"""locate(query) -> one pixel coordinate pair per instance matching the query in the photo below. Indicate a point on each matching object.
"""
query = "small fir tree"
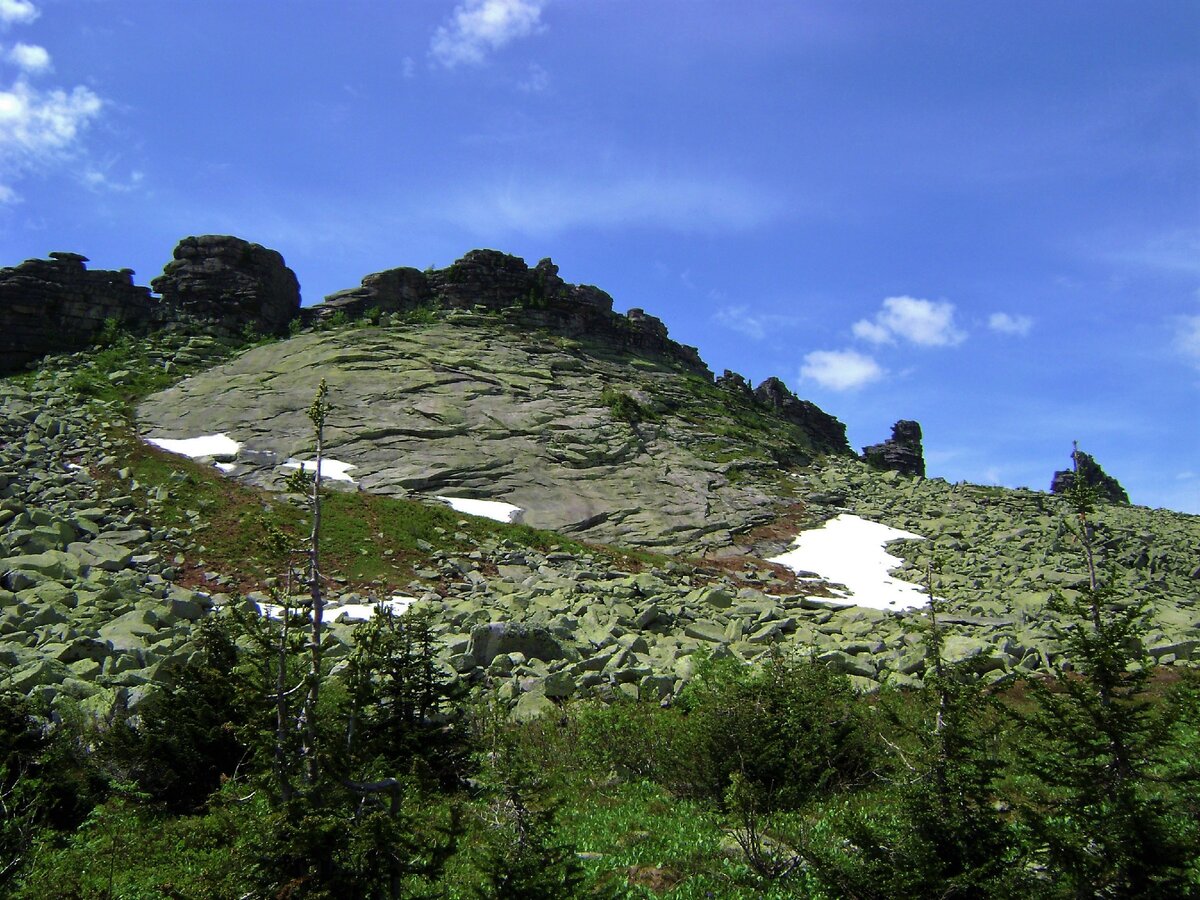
(1110, 824)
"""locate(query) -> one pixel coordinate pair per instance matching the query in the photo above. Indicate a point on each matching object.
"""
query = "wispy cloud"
(755, 326)
(1187, 338)
(840, 370)
(1175, 252)
(99, 181)
(29, 58)
(1004, 323)
(536, 80)
(40, 128)
(681, 204)
(478, 27)
(17, 12)
(926, 323)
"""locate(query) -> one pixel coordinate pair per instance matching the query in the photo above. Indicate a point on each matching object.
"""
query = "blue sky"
(983, 216)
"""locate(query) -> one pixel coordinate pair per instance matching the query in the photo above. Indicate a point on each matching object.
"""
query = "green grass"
(366, 539)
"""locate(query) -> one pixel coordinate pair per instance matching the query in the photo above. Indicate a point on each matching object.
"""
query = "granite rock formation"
(902, 452)
(468, 405)
(56, 304)
(229, 284)
(1089, 471)
(823, 429)
(502, 284)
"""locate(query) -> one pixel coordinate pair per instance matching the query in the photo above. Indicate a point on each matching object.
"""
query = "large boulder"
(498, 638)
(1088, 471)
(827, 434)
(56, 304)
(229, 284)
(902, 452)
(505, 284)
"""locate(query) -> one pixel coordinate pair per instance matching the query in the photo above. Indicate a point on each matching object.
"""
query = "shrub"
(624, 407)
(792, 729)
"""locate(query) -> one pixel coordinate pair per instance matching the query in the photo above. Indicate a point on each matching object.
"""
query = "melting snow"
(332, 469)
(226, 467)
(353, 612)
(356, 612)
(850, 550)
(488, 509)
(205, 445)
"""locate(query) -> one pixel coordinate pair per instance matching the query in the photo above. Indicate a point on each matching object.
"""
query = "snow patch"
(226, 467)
(333, 469)
(351, 612)
(849, 550)
(214, 445)
(488, 509)
(360, 612)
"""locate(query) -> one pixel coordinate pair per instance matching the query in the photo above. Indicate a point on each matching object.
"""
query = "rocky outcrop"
(466, 405)
(502, 284)
(57, 304)
(1089, 472)
(229, 284)
(902, 452)
(827, 434)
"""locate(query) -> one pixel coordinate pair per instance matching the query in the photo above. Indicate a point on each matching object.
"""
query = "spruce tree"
(1107, 821)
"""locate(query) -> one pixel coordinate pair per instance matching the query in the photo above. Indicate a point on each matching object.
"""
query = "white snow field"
(214, 445)
(351, 612)
(488, 509)
(849, 550)
(333, 469)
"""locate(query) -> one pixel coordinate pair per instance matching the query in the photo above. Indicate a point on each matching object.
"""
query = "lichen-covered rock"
(1089, 472)
(826, 432)
(902, 452)
(229, 284)
(469, 406)
(488, 280)
(500, 638)
(57, 304)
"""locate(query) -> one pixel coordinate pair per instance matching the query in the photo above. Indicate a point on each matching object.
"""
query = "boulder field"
(91, 611)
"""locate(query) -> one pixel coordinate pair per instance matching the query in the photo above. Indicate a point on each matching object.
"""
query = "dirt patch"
(655, 879)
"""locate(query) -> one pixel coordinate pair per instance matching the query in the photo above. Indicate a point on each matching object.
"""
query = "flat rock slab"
(491, 413)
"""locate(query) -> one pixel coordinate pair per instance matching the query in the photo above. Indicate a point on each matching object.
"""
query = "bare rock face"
(230, 284)
(56, 304)
(902, 452)
(1089, 472)
(826, 432)
(500, 284)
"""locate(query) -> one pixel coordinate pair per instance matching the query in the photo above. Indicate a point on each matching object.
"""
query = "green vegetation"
(227, 519)
(598, 797)
(258, 769)
(625, 407)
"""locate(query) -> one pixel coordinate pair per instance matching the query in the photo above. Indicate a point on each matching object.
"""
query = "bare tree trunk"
(316, 415)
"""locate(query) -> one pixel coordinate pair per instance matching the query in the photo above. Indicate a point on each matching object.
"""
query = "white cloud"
(755, 326)
(40, 122)
(98, 181)
(872, 331)
(30, 58)
(923, 322)
(840, 370)
(408, 67)
(1003, 323)
(38, 128)
(19, 12)
(536, 80)
(1187, 338)
(479, 26)
(680, 203)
